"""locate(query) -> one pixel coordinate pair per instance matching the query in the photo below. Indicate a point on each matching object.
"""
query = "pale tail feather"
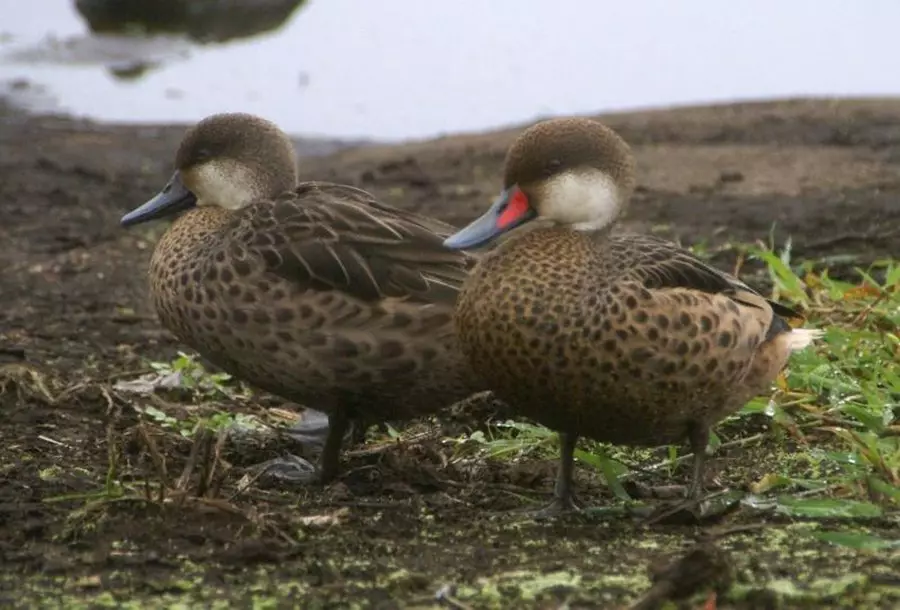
(800, 338)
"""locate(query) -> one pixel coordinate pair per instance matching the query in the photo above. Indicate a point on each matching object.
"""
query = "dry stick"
(206, 466)
(112, 453)
(47, 439)
(101, 382)
(241, 489)
(740, 442)
(159, 460)
(712, 535)
(682, 506)
(683, 458)
(213, 486)
(445, 596)
(191, 463)
(381, 448)
(110, 404)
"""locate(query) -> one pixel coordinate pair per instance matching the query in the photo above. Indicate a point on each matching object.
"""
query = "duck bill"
(174, 198)
(509, 210)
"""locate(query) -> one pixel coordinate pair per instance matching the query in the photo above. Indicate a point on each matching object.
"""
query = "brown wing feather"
(333, 237)
(657, 263)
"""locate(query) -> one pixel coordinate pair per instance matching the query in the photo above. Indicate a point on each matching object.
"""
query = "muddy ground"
(401, 523)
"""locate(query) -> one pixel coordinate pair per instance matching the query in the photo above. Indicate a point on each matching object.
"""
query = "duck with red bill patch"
(622, 338)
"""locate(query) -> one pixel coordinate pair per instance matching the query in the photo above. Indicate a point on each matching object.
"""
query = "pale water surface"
(415, 68)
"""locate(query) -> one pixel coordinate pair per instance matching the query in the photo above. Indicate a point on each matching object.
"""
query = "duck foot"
(325, 435)
(291, 469)
(692, 511)
(312, 430)
(685, 512)
(558, 507)
(564, 501)
(696, 508)
(642, 491)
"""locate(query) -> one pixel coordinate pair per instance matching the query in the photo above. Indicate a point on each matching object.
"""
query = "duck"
(595, 332)
(313, 291)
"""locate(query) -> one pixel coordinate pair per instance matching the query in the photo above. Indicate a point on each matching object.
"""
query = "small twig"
(861, 316)
(53, 441)
(159, 460)
(651, 470)
(690, 503)
(199, 441)
(207, 467)
(110, 404)
(381, 448)
(739, 263)
(112, 455)
(717, 534)
(222, 437)
(445, 596)
(366, 504)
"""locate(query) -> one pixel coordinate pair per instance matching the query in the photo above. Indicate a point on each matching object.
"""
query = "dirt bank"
(73, 299)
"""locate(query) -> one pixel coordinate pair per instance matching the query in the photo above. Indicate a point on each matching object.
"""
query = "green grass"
(845, 390)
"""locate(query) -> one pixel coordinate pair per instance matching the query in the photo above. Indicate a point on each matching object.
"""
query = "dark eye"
(552, 166)
(203, 155)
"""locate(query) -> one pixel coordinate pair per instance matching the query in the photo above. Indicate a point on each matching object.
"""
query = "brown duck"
(315, 292)
(621, 338)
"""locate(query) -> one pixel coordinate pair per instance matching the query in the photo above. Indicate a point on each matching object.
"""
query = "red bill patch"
(515, 209)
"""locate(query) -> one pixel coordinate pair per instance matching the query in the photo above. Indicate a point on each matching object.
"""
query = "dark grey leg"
(358, 431)
(698, 436)
(688, 510)
(564, 500)
(329, 462)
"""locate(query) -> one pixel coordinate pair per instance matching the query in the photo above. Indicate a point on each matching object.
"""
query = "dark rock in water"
(201, 20)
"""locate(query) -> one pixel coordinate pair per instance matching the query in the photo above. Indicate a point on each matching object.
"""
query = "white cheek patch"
(584, 200)
(227, 185)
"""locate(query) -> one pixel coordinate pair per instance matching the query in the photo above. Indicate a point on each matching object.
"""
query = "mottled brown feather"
(622, 338)
(339, 237)
(317, 293)
(627, 350)
(319, 296)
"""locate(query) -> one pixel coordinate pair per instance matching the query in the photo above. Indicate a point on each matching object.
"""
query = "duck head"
(572, 172)
(226, 160)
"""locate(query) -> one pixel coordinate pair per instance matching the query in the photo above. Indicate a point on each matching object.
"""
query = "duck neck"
(201, 221)
(189, 233)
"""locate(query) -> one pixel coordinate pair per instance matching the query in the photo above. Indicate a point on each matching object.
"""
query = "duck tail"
(800, 338)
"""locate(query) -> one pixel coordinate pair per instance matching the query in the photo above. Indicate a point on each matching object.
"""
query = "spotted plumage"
(317, 293)
(619, 337)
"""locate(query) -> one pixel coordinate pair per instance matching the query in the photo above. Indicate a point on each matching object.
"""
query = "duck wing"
(333, 237)
(660, 264)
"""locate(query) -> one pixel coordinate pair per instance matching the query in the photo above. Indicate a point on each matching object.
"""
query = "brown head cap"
(246, 152)
(562, 145)
(235, 136)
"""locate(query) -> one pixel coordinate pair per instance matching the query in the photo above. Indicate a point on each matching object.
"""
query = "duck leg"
(358, 431)
(698, 436)
(689, 510)
(564, 500)
(311, 430)
(315, 430)
(329, 462)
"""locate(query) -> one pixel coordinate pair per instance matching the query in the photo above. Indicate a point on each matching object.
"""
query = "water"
(397, 69)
